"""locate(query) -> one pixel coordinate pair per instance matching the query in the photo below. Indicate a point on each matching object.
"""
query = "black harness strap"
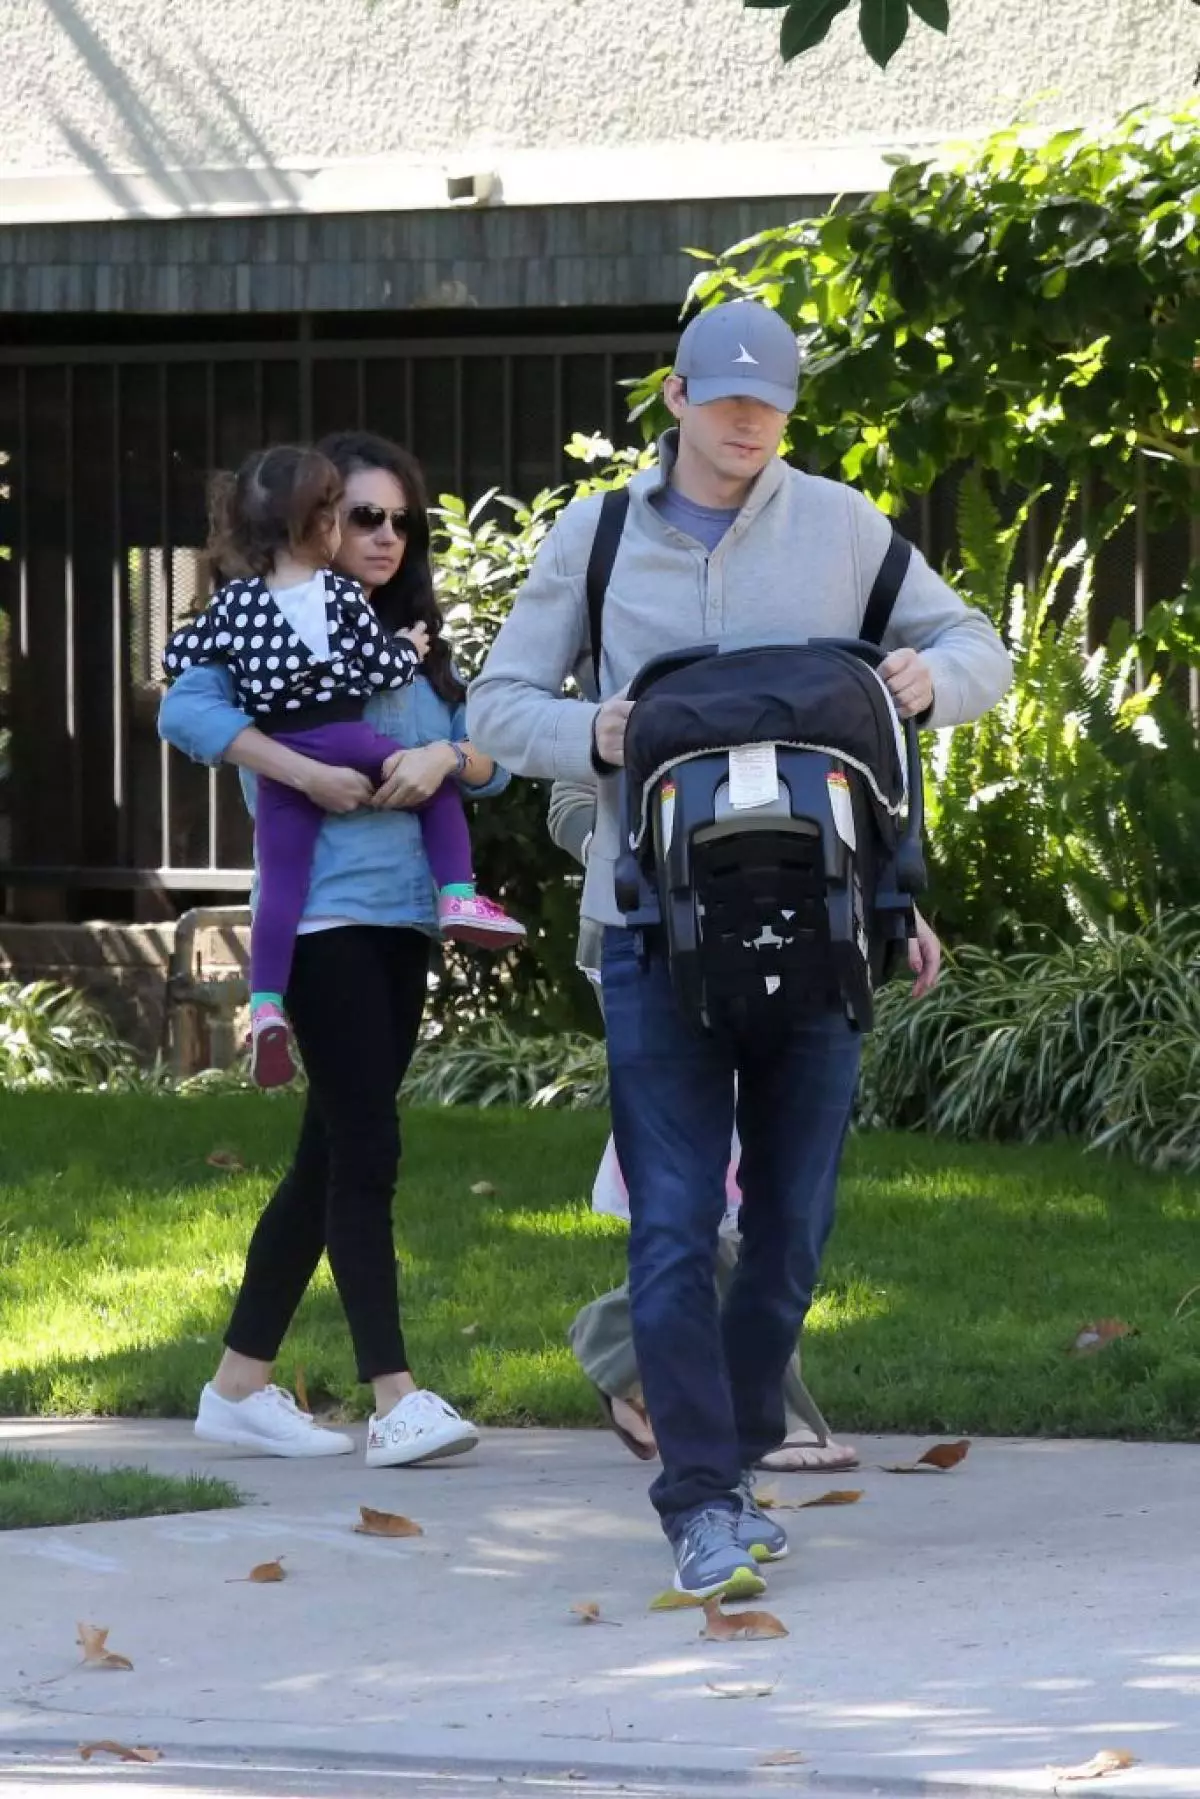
(888, 583)
(605, 544)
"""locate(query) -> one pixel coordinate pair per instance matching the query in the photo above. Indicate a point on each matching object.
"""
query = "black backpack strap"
(888, 583)
(605, 544)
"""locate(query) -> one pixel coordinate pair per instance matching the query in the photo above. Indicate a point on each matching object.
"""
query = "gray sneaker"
(757, 1534)
(709, 1559)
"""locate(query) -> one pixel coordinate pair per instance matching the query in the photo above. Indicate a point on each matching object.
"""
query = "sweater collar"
(653, 480)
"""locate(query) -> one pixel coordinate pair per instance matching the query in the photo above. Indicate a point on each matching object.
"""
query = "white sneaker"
(419, 1428)
(269, 1421)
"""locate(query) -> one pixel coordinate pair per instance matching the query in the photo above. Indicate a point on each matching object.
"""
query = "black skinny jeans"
(355, 1001)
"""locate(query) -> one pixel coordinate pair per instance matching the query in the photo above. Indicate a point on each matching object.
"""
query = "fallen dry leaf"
(263, 1574)
(671, 1601)
(482, 1189)
(137, 1752)
(937, 1459)
(781, 1758)
(93, 1640)
(771, 1501)
(301, 1386)
(385, 1524)
(1091, 1338)
(588, 1612)
(747, 1627)
(225, 1158)
(1108, 1761)
(744, 1690)
(470, 1330)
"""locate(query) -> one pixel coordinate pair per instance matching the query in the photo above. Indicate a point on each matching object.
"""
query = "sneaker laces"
(715, 1518)
(429, 1405)
(280, 1397)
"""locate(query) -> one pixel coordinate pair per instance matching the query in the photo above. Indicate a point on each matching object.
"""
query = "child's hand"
(418, 636)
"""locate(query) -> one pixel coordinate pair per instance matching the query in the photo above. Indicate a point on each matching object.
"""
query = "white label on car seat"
(667, 813)
(753, 776)
(842, 807)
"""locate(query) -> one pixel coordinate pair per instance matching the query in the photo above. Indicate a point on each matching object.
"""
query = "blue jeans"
(713, 1380)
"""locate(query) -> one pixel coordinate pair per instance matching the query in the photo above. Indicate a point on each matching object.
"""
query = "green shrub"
(52, 1037)
(494, 1065)
(1076, 800)
(1098, 1039)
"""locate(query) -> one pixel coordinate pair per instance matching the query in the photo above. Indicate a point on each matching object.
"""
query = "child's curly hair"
(282, 499)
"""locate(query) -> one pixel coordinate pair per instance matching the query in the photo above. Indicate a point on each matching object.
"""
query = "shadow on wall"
(225, 136)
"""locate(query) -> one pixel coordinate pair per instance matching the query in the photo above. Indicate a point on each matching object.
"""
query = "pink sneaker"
(479, 921)
(271, 1063)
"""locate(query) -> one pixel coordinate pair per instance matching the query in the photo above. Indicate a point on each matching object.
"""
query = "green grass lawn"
(33, 1492)
(957, 1277)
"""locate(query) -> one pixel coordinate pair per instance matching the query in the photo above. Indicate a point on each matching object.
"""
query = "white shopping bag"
(611, 1196)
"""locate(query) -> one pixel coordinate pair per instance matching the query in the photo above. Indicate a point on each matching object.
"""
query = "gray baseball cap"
(740, 347)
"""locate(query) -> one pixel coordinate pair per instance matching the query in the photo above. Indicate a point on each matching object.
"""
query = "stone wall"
(124, 969)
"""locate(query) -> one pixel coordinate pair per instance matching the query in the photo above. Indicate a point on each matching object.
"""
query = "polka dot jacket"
(276, 677)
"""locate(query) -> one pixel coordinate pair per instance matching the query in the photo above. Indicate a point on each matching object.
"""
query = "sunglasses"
(370, 518)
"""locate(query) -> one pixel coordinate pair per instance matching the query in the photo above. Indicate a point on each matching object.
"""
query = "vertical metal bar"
(506, 423)
(212, 795)
(556, 451)
(360, 393)
(22, 513)
(1139, 564)
(304, 341)
(19, 679)
(119, 626)
(410, 403)
(459, 429)
(260, 409)
(609, 396)
(165, 572)
(70, 615)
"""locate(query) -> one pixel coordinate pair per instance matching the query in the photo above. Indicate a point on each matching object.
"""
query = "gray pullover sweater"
(798, 562)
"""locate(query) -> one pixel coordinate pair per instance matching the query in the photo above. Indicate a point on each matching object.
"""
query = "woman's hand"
(335, 789)
(925, 958)
(411, 777)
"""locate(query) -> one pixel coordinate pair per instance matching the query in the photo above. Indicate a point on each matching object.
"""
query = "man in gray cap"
(721, 540)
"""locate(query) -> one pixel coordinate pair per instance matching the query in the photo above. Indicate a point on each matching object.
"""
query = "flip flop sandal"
(809, 1458)
(645, 1452)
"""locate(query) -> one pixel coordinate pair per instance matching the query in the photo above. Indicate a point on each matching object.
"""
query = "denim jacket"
(369, 866)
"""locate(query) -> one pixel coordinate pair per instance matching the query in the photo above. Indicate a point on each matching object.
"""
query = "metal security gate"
(102, 515)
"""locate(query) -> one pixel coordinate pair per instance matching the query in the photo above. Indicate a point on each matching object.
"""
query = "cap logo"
(745, 356)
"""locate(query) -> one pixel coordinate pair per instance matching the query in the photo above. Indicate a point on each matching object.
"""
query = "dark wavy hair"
(408, 598)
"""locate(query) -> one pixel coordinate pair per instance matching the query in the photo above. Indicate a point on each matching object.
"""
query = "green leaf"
(933, 12)
(883, 25)
(807, 23)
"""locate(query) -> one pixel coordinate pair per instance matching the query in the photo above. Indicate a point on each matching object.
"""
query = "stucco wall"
(146, 84)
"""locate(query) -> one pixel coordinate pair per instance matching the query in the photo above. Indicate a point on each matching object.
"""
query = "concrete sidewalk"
(961, 1631)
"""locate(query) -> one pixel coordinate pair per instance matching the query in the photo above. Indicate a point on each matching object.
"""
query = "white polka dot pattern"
(273, 672)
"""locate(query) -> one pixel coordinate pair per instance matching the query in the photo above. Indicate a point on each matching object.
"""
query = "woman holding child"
(348, 709)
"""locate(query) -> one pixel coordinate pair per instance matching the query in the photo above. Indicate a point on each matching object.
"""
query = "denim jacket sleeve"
(198, 715)
(500, 776)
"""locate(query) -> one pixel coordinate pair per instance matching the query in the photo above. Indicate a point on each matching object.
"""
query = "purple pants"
(286, 825)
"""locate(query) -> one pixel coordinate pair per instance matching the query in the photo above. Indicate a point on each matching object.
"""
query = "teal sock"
(459, 890)
(265, 999)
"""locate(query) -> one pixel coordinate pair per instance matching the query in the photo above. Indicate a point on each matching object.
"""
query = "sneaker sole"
(481, 936)
(387, 1458)
(239, 1439)
(742, 1584)
(271, 1063)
